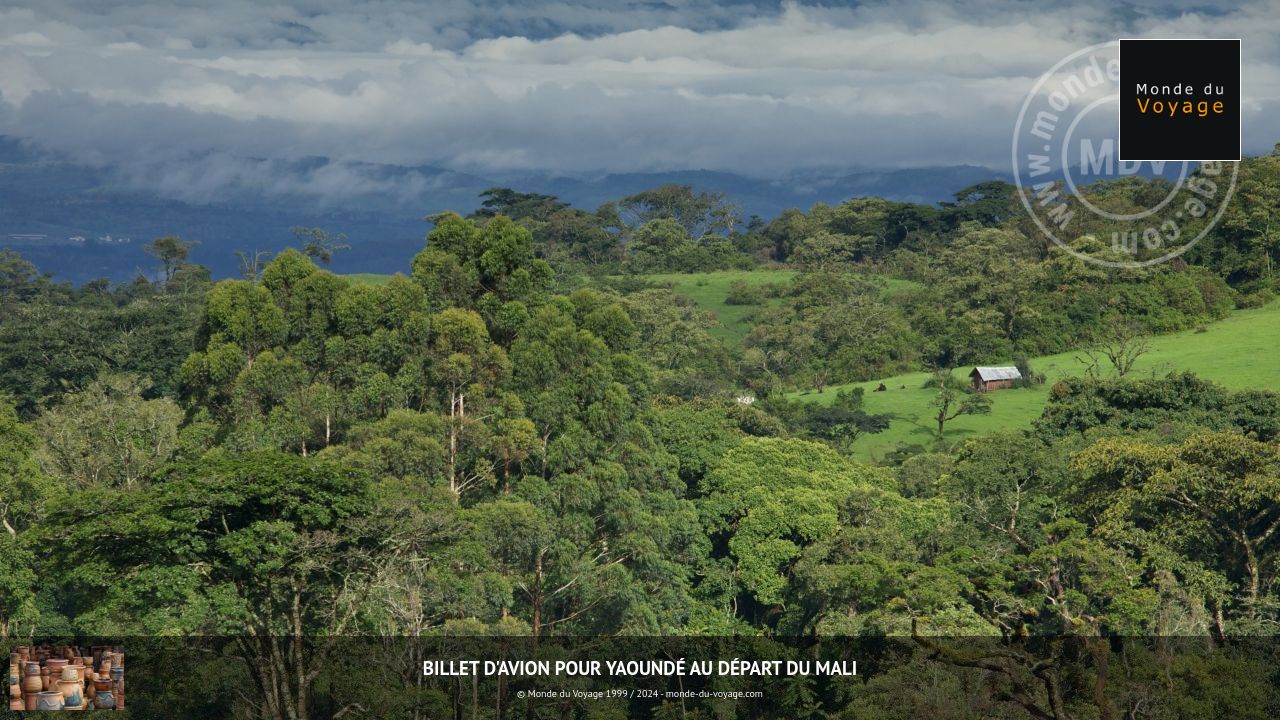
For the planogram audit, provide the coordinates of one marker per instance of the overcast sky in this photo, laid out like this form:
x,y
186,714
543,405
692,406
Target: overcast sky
x,y
753,87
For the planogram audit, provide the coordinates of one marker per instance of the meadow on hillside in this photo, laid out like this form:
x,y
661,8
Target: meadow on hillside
x,y
1238,352
709,290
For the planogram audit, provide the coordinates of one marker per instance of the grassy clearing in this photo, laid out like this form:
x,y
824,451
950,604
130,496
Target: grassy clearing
x,y
369,278
709,290
1238,352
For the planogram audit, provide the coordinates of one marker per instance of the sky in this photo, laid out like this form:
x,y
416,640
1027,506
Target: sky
x,y
758,88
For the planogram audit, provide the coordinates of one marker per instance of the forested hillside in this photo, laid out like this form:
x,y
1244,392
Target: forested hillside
x,y
538,430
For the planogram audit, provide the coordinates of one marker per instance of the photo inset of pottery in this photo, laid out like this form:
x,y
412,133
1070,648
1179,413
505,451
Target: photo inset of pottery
x,y
66,678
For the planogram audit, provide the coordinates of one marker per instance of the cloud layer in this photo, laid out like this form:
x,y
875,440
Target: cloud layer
x,y
754,88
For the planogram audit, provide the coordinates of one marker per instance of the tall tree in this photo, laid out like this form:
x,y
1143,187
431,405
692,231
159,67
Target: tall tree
x,y
698,212
171,251
517,205
23,487
464,265
246,314
109,435
19,279
268,548
24,491
1213,501
467,365
318,244
769,498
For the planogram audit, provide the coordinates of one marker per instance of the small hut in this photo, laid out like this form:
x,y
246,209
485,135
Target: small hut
x,y
986,379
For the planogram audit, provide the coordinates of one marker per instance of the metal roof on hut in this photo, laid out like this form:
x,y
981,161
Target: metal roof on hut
x,y
996,373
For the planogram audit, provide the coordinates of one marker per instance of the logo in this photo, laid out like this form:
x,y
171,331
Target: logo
x,y
1086,200
1180,99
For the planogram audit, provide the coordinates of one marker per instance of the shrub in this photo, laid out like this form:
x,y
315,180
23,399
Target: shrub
x,y
743,293
1255,299
1030,378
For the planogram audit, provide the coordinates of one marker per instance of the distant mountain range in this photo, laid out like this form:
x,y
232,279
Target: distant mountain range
x,y
82,221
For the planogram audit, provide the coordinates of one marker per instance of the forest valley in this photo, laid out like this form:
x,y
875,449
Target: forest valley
x,y
526,435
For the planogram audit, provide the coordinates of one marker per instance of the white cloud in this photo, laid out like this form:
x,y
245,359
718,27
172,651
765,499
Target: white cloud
x,y
754,88
18,77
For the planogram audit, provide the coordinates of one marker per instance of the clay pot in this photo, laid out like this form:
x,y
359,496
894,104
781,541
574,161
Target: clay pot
x,y
16,705
117,673
32,684
49,700
33,668
72,673
15,691
30,700
72,693
15,675
104,700
56,663
102,685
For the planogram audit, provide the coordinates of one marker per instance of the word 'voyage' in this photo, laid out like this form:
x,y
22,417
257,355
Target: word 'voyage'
x,y
1180,107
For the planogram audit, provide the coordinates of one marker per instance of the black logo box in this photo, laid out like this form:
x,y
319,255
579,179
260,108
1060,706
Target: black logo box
x,y
1180,64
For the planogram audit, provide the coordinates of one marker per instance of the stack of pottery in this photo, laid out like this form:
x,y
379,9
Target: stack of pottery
x,y
104,695
31,685
15,684
65,679
109,690
71,685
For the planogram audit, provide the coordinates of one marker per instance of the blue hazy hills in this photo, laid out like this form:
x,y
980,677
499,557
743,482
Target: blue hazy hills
x,y
81,221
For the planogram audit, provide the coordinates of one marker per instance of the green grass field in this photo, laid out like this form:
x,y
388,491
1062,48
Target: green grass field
x,y
709,290
369,278
1238,352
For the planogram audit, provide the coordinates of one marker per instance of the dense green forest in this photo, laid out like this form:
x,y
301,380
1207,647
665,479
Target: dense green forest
x,y
530,434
